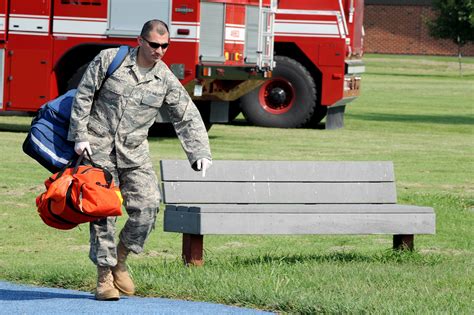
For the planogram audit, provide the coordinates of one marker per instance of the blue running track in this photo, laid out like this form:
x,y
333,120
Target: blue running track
x,y
21,299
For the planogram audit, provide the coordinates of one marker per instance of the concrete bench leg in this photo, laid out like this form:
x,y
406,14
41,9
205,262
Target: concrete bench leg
x,y
192,249
403,242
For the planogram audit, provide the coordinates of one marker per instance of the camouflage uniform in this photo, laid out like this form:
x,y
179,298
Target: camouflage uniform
x,y
116,125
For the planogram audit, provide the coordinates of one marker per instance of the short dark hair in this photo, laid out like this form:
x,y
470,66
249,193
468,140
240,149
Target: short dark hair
x,y
154,25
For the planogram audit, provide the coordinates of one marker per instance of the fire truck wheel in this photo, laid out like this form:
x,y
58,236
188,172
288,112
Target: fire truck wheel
x,y
167,130
74,81
287,100
161,130
234,110
204,108
320,112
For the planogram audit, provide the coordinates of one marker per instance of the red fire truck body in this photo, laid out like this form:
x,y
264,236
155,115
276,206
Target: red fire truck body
x,y
221,50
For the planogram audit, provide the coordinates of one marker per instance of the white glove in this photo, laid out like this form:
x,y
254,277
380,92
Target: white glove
x,y
80,146
202,165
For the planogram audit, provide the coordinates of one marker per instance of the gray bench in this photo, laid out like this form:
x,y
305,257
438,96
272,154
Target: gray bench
x,y
278,197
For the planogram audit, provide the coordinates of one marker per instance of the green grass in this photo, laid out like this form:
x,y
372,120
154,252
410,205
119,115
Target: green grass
x,y
417,112
435,66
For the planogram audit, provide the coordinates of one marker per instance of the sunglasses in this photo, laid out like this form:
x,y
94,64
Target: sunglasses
x,y
156,45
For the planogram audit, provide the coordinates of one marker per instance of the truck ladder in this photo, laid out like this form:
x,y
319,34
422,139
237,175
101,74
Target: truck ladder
x,y
266,35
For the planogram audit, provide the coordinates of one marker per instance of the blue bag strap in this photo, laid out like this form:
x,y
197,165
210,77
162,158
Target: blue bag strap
x,y
118,59
116,62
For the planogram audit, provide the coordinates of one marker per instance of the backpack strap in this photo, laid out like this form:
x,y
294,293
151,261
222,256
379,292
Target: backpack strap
x,y
117,61
114,65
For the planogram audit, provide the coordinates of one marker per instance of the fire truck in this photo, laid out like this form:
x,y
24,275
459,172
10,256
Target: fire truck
x,y
223,51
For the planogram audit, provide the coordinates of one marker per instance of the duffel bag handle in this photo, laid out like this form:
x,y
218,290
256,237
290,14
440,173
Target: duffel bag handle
x,y
107,174
79,160
78,163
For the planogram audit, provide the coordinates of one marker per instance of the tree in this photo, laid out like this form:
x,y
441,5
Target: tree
x,y
455,21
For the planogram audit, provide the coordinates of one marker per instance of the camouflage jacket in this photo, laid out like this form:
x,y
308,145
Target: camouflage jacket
x,y
116,124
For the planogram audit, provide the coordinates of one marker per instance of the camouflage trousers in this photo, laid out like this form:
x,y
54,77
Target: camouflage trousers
x,y
141,198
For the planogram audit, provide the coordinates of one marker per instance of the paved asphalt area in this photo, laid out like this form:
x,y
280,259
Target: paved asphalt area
x,y
21,299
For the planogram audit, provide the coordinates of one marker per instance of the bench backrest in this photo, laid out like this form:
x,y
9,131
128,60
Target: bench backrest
x,y
279,182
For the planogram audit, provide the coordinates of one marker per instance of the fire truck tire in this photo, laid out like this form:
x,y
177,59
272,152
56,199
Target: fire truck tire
x,y
287,100
167,130
234,110
74,81
204,108
320,112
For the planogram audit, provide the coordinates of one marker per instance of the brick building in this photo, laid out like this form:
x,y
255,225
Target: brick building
x,y
399,27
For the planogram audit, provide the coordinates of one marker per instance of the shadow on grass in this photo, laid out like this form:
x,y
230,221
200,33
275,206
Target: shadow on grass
x,y
14,127
423,75
24,295
26,128
432,119
156,138
388,256
243,122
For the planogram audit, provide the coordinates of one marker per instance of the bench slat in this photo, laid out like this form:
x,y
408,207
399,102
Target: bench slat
x,y
318,208
309,223
284,193
281,171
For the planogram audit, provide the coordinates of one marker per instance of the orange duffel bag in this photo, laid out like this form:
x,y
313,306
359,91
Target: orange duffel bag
x,y
79,194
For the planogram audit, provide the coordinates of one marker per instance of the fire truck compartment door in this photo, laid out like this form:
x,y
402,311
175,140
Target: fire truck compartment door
x,y
2,75
126,17
3,20
251,34
28,80
211,47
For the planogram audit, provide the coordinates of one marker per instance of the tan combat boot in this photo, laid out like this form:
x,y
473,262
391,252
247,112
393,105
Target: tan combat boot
x,y
105,285
122,280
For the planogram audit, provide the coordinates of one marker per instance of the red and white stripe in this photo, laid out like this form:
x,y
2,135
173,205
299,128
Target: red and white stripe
x,y
3,22
79,27
194,31
27,24
235,34
305,28
311,27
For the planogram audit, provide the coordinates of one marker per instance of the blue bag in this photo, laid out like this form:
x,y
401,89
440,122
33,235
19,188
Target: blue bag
x,y
46,141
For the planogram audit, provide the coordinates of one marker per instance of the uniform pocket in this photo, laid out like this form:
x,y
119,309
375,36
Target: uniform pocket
x,y
114,85
96,128
134,140
113,90
153,100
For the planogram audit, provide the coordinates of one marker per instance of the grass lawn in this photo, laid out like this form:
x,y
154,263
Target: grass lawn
x,y
415,111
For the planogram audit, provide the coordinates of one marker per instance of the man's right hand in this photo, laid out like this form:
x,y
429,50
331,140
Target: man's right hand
x,y
80,146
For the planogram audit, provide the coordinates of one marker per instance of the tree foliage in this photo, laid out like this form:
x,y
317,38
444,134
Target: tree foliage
x,y
454,21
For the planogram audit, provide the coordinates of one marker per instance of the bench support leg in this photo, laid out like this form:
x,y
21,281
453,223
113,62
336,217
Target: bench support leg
x,y
403,242
192,249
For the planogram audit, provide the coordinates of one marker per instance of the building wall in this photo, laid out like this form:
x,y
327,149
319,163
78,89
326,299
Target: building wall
x,y
401,29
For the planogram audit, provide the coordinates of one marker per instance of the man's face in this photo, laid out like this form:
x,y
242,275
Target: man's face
x,y
153,46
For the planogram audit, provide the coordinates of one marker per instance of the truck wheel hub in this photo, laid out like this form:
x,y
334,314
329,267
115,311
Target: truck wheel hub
x,y
277,96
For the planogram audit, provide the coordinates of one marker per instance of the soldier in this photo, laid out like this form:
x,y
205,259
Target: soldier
x,y
114,128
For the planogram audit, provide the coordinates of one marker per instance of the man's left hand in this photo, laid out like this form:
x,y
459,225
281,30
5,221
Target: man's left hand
x,y
202,165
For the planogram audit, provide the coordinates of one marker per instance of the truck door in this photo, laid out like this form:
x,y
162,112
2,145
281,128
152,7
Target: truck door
x,y
251,35
28,55
211,46
126,18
